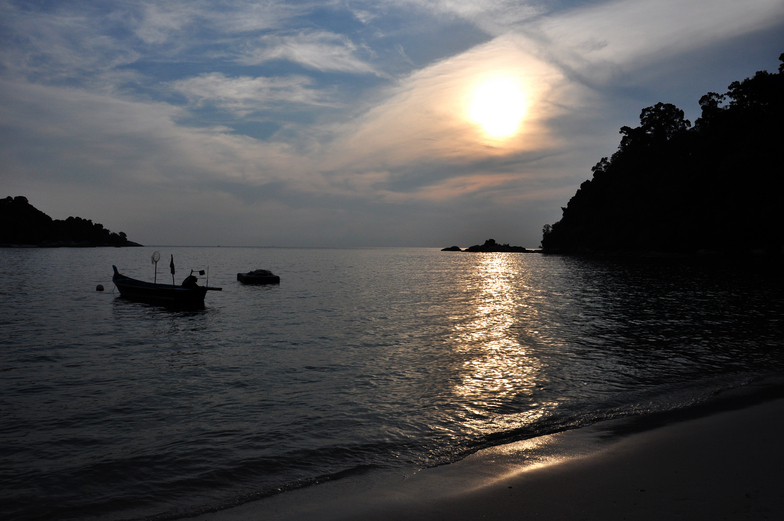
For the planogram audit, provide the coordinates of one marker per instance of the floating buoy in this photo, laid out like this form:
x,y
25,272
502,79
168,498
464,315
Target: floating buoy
x,y
99,287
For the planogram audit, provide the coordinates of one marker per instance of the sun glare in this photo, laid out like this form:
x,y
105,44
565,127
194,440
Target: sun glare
x,y
498,107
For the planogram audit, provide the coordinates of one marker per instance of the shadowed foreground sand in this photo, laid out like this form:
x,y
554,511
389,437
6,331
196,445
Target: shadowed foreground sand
x,y
728,465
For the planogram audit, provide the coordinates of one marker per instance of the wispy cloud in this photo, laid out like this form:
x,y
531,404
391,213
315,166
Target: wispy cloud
x,y
496,16
244,95
601,43
59,45
185,24
318,50
161,22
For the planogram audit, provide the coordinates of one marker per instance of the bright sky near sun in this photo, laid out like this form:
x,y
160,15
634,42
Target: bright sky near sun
x,y
346,123
498,106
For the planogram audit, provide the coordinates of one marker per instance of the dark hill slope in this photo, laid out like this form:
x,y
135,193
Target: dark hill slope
x,y
24,225
672,188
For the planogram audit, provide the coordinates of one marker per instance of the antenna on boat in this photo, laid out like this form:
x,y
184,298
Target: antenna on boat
x,y
156,256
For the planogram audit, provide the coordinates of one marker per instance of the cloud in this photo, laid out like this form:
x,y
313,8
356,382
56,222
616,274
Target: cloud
x,y
159,22
318,50
184,23
425,116
600,44
60,46
494,16
66,133
244,95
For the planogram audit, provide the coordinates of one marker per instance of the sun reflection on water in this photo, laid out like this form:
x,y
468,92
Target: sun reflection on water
x,y
497,367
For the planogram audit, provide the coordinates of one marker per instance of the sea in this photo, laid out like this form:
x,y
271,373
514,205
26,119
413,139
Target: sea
x,y
360,361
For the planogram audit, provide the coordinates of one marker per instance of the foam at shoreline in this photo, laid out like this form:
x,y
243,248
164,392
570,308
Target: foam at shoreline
x,y
724,465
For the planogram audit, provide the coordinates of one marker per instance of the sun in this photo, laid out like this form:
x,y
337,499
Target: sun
x,y
498,106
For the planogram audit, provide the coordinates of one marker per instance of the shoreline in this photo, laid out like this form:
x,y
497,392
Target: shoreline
x,y
724,464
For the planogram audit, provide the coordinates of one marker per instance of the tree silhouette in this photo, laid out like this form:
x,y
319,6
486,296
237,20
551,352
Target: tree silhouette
x,y
658,124
673,188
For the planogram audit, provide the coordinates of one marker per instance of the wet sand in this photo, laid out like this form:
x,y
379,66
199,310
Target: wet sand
x,y
728,465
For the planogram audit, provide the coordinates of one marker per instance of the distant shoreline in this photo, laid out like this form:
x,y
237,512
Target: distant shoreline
x,y
130,244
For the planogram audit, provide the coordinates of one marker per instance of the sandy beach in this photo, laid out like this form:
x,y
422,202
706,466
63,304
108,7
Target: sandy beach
x,y
727,465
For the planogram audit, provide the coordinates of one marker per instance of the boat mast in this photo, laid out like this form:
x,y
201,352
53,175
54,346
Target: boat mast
x,y
156,256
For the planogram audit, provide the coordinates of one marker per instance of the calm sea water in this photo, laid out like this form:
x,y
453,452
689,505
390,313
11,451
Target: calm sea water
x,y
360,359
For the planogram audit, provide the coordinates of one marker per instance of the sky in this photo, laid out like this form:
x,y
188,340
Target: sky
x,y
346,123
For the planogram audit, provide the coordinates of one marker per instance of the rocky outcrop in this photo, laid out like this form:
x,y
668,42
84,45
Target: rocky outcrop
x,y
490,246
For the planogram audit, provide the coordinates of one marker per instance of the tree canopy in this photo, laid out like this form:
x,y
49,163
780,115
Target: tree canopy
x,y
672,187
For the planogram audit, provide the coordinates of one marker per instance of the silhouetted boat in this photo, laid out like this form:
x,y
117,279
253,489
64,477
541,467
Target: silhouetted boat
x,y
186,294
258,277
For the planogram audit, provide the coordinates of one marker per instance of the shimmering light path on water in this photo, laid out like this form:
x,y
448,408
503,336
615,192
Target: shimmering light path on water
x,y
360,359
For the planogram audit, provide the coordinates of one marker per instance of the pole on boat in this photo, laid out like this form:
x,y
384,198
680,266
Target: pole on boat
x,y
156,256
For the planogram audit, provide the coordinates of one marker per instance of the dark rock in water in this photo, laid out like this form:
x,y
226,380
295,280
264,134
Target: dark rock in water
x,y
258,277
452,248
99,287
490,246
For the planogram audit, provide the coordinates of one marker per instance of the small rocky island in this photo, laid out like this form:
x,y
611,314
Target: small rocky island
x,y
22,224
490,246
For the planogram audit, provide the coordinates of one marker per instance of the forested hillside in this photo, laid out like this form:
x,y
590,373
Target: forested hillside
x,y
671,187
22,224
